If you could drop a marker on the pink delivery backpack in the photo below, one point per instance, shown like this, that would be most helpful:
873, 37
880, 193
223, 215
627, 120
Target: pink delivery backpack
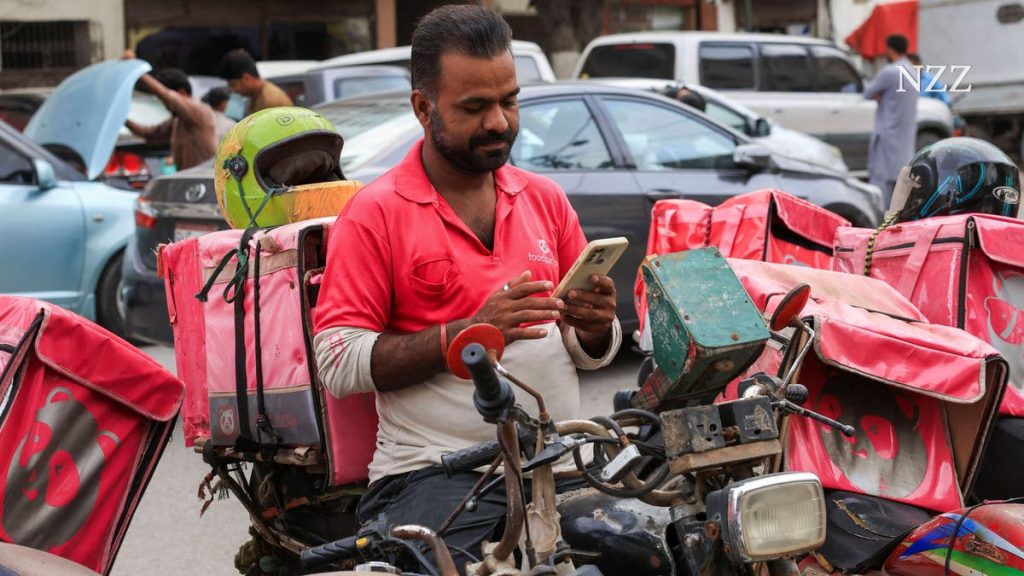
84, 418
243, 341
767, 225
965, 271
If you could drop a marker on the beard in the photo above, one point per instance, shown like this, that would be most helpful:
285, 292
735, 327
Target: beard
470, 158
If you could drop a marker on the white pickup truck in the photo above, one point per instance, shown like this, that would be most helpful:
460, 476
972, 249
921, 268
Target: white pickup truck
805, 84
988, 37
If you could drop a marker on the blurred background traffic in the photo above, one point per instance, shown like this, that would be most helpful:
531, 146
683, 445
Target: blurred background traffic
625, 102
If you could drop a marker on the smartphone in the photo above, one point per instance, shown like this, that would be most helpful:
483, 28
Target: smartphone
597, 258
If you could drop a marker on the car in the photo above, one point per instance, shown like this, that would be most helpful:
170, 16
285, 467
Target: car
326, 84
615, 151
806, 84
778, 138
531, 64
133, 163
65, 230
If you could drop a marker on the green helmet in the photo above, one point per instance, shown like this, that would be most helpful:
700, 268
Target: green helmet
265, 155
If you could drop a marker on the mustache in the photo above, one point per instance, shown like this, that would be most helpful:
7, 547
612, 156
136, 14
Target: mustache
485, 138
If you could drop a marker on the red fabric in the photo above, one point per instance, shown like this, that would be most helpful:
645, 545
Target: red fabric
885, 19
876, 364
925, 258
73, 439
411, 263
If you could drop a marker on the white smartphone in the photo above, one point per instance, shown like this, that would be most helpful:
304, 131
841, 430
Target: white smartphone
597, 258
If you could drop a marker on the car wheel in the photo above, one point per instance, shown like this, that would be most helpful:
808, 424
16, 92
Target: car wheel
108, 313
927, 138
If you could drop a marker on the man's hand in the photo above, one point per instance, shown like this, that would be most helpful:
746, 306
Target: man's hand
591, 313
128, 54
507, 309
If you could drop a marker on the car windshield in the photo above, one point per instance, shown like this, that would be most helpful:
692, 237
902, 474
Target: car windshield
369, 126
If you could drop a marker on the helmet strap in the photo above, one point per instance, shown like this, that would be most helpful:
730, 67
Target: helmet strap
245, 204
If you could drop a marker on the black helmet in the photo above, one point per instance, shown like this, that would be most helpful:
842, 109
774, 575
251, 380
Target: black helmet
954, 176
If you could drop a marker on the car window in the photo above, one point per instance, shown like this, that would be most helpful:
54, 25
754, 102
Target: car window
787, 68
354, 118
834, 74
14, 168
352, 87
646, 60
526, 70
559, 135
660, 138
726, 116
727, 67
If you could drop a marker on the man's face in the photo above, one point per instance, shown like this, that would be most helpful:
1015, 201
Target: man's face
474, 116
242, 85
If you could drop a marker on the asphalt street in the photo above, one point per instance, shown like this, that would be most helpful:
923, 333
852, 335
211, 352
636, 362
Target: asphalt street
167, 536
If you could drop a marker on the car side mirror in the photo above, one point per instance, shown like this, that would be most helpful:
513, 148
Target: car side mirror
762, 127
754, 156
45, 177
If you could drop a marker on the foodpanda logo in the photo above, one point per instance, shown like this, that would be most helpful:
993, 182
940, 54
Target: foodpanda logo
545, 254
1006, 322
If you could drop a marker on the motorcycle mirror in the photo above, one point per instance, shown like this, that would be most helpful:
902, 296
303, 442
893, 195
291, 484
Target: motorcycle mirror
486, 335
789, 309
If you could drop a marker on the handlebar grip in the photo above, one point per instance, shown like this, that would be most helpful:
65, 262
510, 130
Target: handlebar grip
470, 458
485, 379
330, 553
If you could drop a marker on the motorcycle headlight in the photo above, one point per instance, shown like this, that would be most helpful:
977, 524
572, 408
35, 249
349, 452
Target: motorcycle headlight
770, 516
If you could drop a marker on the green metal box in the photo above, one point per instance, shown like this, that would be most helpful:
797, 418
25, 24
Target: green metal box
706, 330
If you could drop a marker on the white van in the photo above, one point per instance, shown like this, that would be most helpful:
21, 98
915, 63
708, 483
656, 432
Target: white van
532, 65
806, 84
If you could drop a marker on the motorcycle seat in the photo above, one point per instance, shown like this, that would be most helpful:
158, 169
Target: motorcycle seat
862, 529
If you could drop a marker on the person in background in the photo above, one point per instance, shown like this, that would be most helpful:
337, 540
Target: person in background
239, 69
930, 85
893, 142
190, 129
217, 98
691, 98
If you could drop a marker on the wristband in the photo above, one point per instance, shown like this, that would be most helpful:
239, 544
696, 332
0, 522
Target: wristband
444, 344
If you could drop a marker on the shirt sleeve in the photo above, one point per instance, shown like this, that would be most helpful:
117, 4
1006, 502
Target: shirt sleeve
357, 285
343, 358
880, 83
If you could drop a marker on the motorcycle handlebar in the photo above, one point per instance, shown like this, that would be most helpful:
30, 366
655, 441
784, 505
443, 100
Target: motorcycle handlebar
330, 553
493, 397
480, 454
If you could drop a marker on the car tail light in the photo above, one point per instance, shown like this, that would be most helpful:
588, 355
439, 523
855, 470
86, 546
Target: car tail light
129, 166
145, 215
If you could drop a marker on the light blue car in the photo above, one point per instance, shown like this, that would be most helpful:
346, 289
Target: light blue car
62, 234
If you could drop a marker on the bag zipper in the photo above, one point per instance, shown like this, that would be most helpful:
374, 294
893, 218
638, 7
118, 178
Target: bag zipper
950, 240
961, 300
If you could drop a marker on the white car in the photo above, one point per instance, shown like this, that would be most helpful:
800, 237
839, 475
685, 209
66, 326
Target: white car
531, 64
779, 139
805, 84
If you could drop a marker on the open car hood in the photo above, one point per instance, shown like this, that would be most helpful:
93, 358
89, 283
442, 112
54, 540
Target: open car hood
86, 111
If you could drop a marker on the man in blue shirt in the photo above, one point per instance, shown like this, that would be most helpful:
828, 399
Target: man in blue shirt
936, 90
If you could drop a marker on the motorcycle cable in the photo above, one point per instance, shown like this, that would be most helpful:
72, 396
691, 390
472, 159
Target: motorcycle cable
960, 522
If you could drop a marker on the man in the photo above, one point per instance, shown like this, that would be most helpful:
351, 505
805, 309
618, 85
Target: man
239, 69
691, 98
450, 237
893, 142
930, 86
191, 127
217, 98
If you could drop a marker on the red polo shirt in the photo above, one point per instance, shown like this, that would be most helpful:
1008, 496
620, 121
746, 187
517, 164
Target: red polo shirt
401, 260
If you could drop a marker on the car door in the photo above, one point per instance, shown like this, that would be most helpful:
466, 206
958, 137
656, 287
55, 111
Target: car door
677, 154
42, 233
560, 138
849, 117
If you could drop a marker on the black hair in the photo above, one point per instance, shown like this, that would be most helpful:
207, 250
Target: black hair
173, 79
898, 42
462, 28
692, 99
236, 63
217, 96
914, 58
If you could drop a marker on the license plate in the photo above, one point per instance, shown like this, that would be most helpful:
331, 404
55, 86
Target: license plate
186, 231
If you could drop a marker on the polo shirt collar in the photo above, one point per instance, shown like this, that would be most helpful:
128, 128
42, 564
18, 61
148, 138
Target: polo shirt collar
414, 185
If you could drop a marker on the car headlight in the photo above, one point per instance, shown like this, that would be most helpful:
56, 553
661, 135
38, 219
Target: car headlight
770, 516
